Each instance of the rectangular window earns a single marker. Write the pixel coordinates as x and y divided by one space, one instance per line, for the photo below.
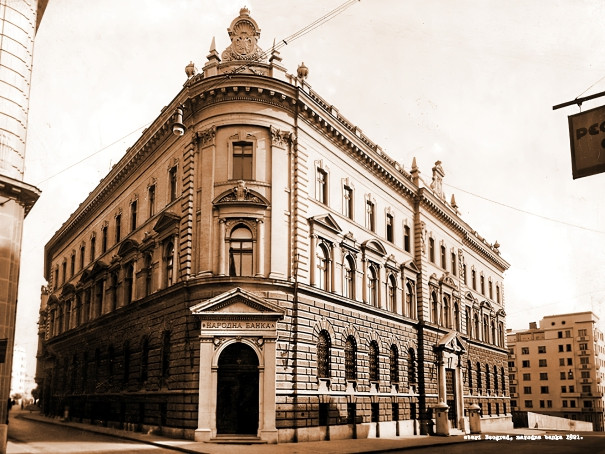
464 273
406 238
542 404
389 229
118 228
82 256
564 403
527 389
432 250
525 350
543 375
347 202
151 200
104 239
584 360
563 389
321 189
572 403
583 346
585 374
490 289
454 264
561 348
370 216
542 363
526 377
73 264
571 389
560 334
562 375
93 244
242 161
172 181
568 347
525 363
543 389
482 285
474 279
529 404
569 361
133 216
443 262
541 348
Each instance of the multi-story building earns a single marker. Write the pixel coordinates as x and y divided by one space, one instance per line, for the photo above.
256 266
558 368
19 21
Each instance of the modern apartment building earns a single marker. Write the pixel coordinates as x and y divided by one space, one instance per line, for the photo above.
255 266
558 368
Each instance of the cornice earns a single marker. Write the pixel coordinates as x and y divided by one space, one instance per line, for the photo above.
470 238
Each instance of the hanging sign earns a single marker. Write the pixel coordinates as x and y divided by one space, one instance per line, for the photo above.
587 139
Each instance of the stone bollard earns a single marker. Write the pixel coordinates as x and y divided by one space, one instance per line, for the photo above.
442 423
474 418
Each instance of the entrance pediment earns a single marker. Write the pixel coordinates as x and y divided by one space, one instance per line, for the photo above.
237 301
451 343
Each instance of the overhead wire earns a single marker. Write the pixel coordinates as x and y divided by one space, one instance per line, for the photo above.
285 41
569 224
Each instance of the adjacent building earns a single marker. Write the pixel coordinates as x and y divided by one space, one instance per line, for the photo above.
255 266
19 21
557 368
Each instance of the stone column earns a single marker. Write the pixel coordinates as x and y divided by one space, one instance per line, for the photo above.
206 424
260 247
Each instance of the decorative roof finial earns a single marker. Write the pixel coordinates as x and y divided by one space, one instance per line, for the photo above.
437 183
190 70
302 71
453 204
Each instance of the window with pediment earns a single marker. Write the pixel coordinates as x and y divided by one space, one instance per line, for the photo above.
321 186
241 251
128 283
173 183
391 292
347 202
370 215
406 238
409 300
456 316
349 277
169 271
372 286
322 264
434 308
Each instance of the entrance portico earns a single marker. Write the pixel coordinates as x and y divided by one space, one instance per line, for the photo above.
237 367
449 350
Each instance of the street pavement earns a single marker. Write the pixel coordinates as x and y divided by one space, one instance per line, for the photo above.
369 445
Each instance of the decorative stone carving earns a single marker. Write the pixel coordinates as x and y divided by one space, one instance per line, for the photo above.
280 138
207 136
437 183
244 34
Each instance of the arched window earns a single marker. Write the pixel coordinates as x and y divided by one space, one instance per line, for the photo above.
409 300
469 374
323 355
144 359
391 293
485 329
372 286
373 360
128 284
169 264
240 252
488 384
456 317
476 326
148 271
323 267
447 312
394 364
411 366
435 308
349 278
502 382
479 379
495 378
467 317
350 359
493 339
500 334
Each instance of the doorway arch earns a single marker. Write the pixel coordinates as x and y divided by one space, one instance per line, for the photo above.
237 393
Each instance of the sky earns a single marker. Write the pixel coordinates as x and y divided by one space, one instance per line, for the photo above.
470 83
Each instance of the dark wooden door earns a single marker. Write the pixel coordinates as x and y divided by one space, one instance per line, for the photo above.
237 399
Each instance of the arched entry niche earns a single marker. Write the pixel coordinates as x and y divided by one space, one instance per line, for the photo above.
237 393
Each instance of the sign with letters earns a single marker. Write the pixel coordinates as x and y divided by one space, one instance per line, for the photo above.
587 139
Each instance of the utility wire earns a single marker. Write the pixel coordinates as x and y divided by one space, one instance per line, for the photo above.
569 224
293 37
91 155
590 87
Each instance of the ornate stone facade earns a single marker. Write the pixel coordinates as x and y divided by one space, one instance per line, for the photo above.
272 274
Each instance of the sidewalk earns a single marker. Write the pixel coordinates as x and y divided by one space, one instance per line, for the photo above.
366 445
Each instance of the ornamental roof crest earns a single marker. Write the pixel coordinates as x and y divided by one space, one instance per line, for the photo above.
244 34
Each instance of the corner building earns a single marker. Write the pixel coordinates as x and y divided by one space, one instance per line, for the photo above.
270 273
